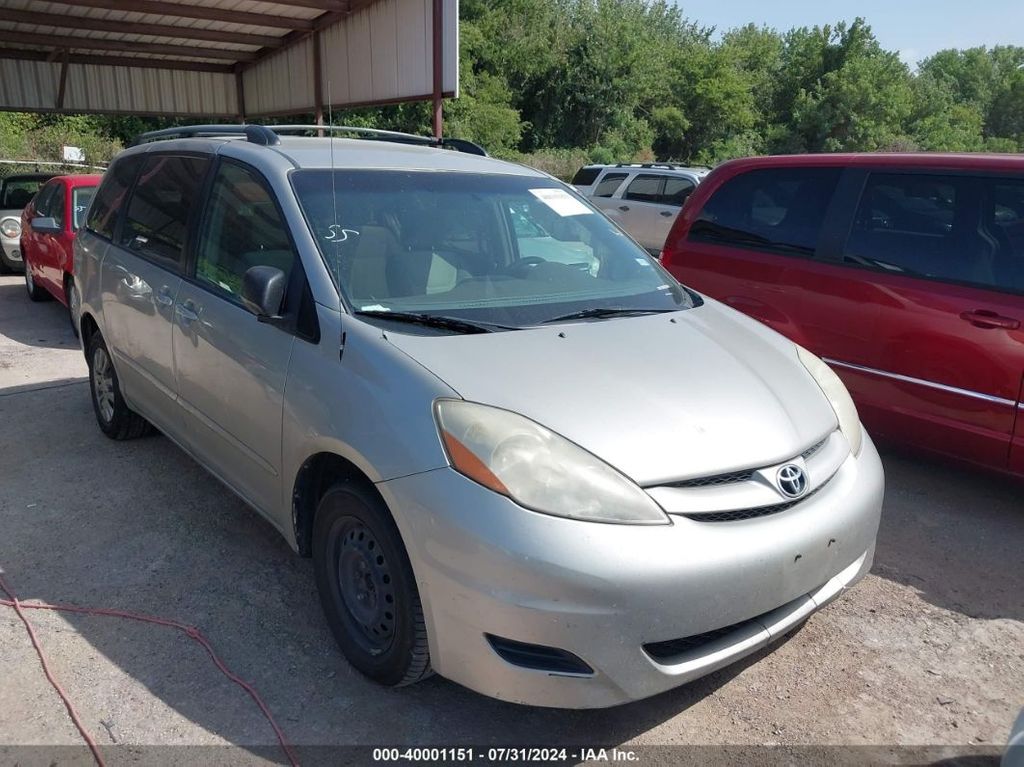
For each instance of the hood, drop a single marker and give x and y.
(661, 401)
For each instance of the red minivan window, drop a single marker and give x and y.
(778, 209)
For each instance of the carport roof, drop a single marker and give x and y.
(230, 39)
(218, 35)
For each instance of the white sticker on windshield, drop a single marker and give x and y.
(560, 201)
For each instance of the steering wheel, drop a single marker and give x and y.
(520, 265)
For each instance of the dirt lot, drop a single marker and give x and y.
(928, 650)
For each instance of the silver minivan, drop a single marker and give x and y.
(518, 451)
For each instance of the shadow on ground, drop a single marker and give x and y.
(31, 323)
(954, 535)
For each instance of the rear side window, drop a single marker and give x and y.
(676, 191)
(778, 209)
(243, 229)
(586, 176)
(110, 197)
(947, 228)
(606, 186)
(644, 188)
(161, 206)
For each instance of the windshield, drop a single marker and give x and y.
(505, 249)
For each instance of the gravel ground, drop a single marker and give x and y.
(927, 651)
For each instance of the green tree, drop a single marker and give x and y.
(842, 91)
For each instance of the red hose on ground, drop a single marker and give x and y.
(191, 631)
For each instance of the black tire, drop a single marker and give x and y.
(35, 293)
(367, 587)
(115, 418)
(71, 298)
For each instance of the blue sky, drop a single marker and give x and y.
(915, 28)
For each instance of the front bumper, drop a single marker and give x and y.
(600, 591)
(11, 250)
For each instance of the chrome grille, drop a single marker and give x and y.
(814, 448)
(744, 475)
(718, 479)
(759, 511)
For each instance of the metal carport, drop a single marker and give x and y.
(225, 58)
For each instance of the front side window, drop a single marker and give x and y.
(102, 216)
(161, 206)
(608, 184)
(242, 229)
(773, 209)
(81, 196)
(502, 249)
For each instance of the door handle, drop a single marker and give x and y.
(623, 207)
(984, 318)
(163, 296)
(187, 311)
(667, 213)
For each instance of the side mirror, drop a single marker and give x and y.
(263, 289)
(46, 225)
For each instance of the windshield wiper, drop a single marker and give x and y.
(599, 312)
(436, 321)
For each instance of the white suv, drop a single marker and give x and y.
(642, 199)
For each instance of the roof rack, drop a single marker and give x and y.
(659, 165)
(267, 135)
(458, 144)
(254, 134)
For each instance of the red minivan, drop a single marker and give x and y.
(48, 227)
(905, 272)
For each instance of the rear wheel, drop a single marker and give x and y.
(367, 587)
(35, 292)
(115, 418)
(73, 302)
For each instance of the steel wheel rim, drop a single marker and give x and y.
(103, 384)
(366, 586)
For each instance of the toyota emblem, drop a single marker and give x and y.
(791, 480)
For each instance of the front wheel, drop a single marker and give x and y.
(367, 587)
(115, 418)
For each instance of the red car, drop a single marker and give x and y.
(48, 227)
(905, 272)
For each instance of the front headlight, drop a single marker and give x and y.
(837, 395)
(10, 228)
(538, 469)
